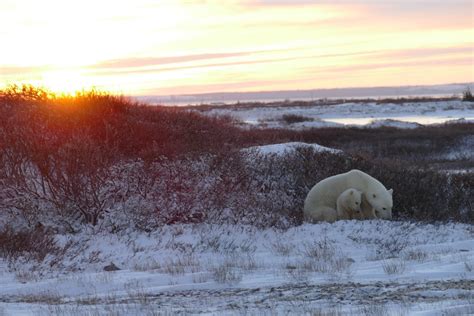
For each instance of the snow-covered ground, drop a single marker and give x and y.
(349, 267)
(405, 115)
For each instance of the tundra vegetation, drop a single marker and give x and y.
(105, 160)
(75, 170)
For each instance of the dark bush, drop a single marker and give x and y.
(467, 95)
(55, 151)
(33, 244)
(294, 118)
(423, 194)
(421, 146)
(281, 183)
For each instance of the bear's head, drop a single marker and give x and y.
(382, 202)
(354, 203)
(354, 200)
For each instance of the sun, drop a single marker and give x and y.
(66, 81)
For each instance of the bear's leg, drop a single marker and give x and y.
(368, 211)
(343, 214)
(357, 215)
(322, 214)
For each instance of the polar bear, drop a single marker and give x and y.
(348, 204)
(321, 200)
(324, 214)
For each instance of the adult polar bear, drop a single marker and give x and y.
(320, 204)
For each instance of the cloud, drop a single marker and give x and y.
(127, 66)
(412, 3)
(155, 61)
(200, 88)
(384, 7)
(401, 64)
(157, 68)
(426, 53)
(385, 58)
(21, 70)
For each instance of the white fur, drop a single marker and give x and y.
(323, 214)
(321, 200)
(348, 204)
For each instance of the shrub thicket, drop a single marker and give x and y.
(56, 151)
(295, 118)
(467, 95)
(420, 145)
(108, 161)
(33, 244)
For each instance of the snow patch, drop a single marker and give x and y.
(285, 148)
(393, 123)
(353, 114)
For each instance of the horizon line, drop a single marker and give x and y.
(305, 90)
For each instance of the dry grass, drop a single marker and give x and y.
(468, 266)
(282, 248)
(226, 274)
(25, 276)
(181, 265)
(393, 266)
(201, 277)
(415, 255)
(323, 250)
(149, 265)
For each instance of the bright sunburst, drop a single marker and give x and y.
(178, 47)
(63, 81)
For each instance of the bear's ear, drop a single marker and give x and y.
(390, 191)
(352, 192)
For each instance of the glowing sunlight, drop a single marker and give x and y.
(170, 47)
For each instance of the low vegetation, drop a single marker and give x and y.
(34, 244)
(113, 163)
(295, 118)
(420, 146)
(394, 266)
(318, 102)
(467, 95)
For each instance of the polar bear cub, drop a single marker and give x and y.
(348, 204)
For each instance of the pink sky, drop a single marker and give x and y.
(176, 47)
